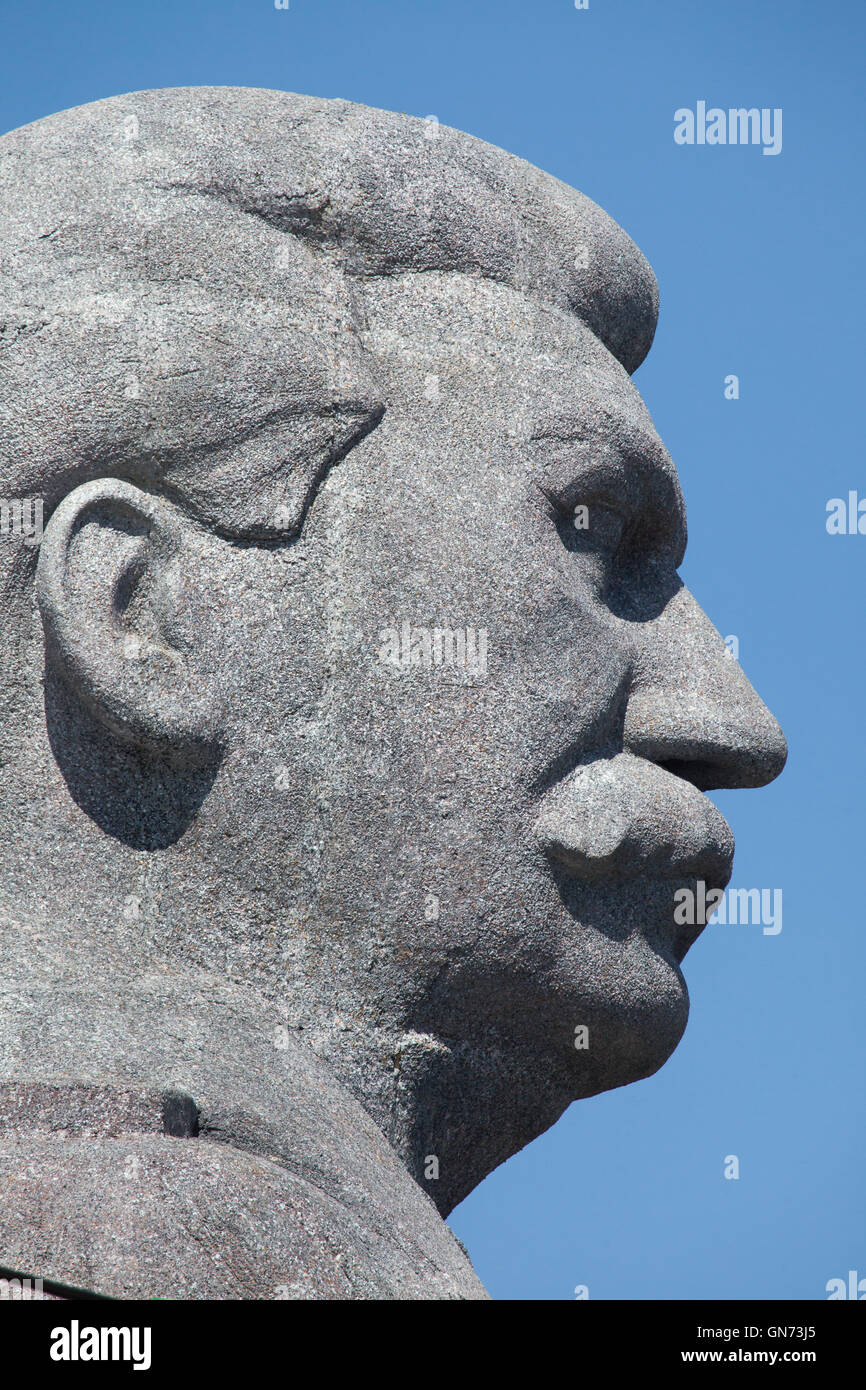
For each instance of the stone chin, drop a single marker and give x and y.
(634, 992)
(580, 1008)
(642, 1016)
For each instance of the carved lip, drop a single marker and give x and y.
(677, 862)
(623, 820)
(622, 817)
(660, 925)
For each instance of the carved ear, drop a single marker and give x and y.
(109, 585)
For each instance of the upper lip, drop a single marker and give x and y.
(623, 817)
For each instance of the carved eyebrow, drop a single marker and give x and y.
(299, 448)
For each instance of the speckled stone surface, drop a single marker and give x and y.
(354, 724)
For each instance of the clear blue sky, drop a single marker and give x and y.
(760, 263)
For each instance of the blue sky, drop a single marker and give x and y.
(760, 266)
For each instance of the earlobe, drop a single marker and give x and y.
(104, 592)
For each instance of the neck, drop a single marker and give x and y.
(113, 932)
(190, 1087)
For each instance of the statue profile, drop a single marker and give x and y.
(354, 722)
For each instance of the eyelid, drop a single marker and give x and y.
(642, 492)
(602, 532)
(575, 495)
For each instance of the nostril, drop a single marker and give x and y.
(753, 766)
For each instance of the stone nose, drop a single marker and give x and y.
(691, 708)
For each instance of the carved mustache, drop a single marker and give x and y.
(624, 817)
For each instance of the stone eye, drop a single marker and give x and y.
(592, 526)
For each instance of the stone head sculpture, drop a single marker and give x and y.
(355, 722)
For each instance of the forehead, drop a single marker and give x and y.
(193, 349)
(210, 325)
(184, 268)
(496, 397)
(530, 370)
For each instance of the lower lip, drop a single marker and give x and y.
(680, 937)
(653, 913)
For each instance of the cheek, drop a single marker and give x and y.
(253, 622)
(568, 669)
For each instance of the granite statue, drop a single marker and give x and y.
(355, 724)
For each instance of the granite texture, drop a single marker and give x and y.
(355, 722)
